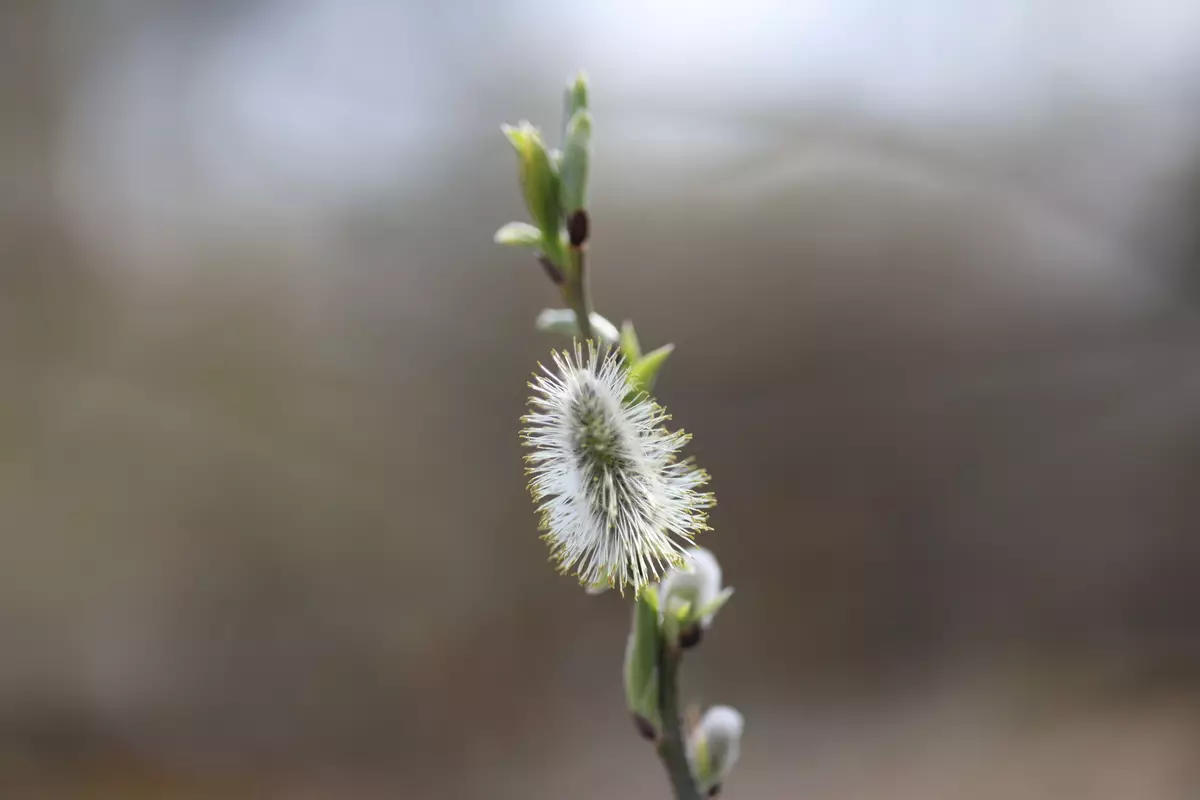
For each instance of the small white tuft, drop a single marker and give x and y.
(616, 504)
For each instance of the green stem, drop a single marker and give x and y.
(575, 292)
(672, 745)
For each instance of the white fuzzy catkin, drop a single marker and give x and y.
(616, 504)
(718, 740)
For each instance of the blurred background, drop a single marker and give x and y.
(933, 271)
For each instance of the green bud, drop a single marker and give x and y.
(645, 371)
(641, 658)
(539, 180)
(519, 234)
(562, 320)
(576, 158)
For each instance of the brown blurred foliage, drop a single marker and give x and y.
(264, 525)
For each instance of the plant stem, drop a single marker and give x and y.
(672, 746)
(576, 292)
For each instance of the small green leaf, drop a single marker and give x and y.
(641, 660)
(645, 371)
(650, 595)
(713, 606)
(519, 234)
(629, 343)
(557, 320)
(538, 174)
(562, 320)
(577, 155)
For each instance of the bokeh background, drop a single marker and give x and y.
(932, 270)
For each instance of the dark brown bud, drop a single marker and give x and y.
(577, 227)
(645, 728)
(691, 636)
(714, 790)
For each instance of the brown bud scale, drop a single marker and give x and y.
(645, 728)
(551, 269)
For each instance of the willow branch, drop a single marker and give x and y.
(672, 744)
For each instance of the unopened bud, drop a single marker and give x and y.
(692, 592)
(715, 745)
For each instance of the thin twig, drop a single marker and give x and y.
(576, 292)
(672, 745)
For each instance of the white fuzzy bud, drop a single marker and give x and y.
(696, 583)
(715, 745)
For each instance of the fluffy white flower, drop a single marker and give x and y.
(616, 504)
